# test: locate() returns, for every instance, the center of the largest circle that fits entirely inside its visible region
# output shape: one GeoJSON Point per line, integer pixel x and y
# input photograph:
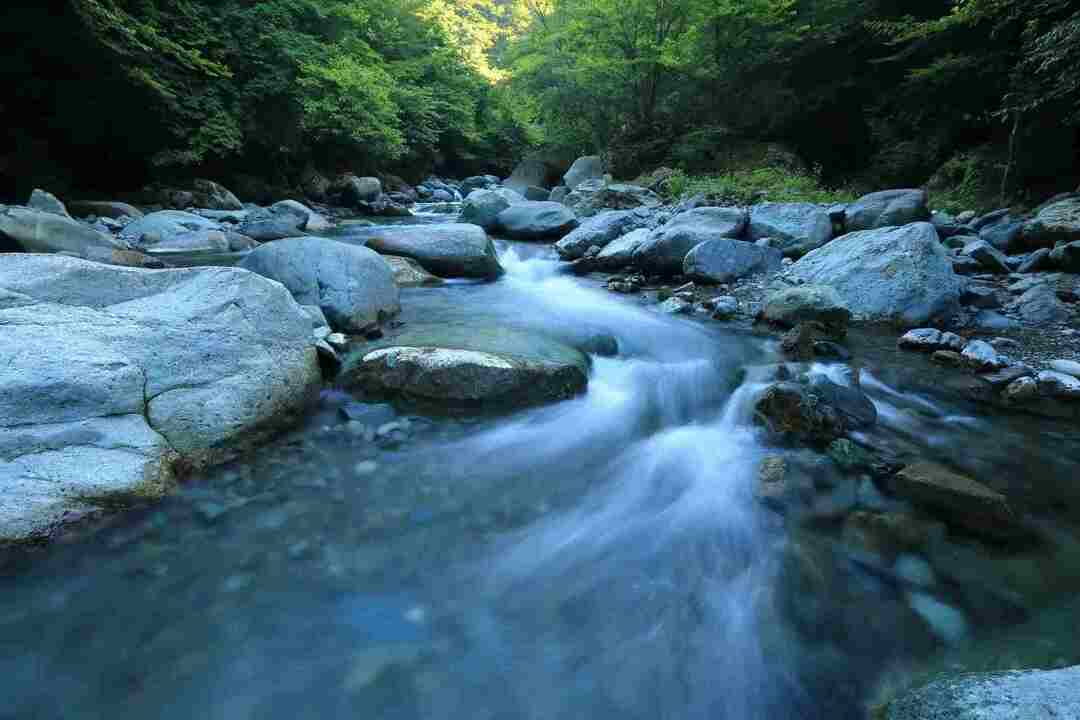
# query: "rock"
{"type": "Point", "coordinates": [966, 217]}
{"type": "Point", "coordinates": [213, 196]}
{"type": "Point", "coordinates": [1038, 305]}
{"type": "Point", "coordinates": [667, 247]}
{"type": "Point", "coordinates": [980, 296]}
{"type": "Point", "coordinates": [987, 256]}
{"type": "Point", "coordinates": [1057, 222]}
{"type": "Point", "coordinates": [1066, 257]}
{"type": "Point", "coordinates": [155, 367]}
{"type": "Point", "coordinates": [898, 274]}
{"type": "Point", "coordinates": [620, 252]}
{"type": "Point", "coordinates": [478, 182]}
{"type": "Point", "coordinates": [956, 498]}
{"type": "Point", "coordinates": [590, 167]}
{"type": "Point", "coordinates": [991, 218]}
{"type": "Point", "coordinates": [676, 306]}
{"type": "Point", "coordinates": [772, 485]}
{"type": "Point", "coordinates": [723, 307]}
{"type": "Point", "coordinates": [1012, 695]}
{"type": "Point", "coordinates": [47, 202]}
{"type": "Point", "coordinates": [1058, 385]}
{"type": "Point", "coordinates": [807, 303]}
{"type": "Point", "coordinates": [559, 194]}
{"type": "Point", "coordinates": [797, 228]}
{"type": "Point", "coordinates": [990, 321]}
{"type": "Point", "coordinates": [447, 250]}
{"type": "Point", "coordinates": [536, 221]}
{"type": "Point", "coordinates": [197, 247]}
{"type": "Point", "coordinates": [929, 339]}
{"type": "Point", "coordinates": [101, 208]}
{"type": "Point", "coordinates": [724, 260]}
{"type": "Point", "coordinates": [1020, 391]}
{"type": "Point", "coordinates": [530, 171]}
{"type": "Point", "coordinates": [595, 196]}
{"type": "Point", "coordinates": [537, 194]}
{"type": "Point", "coordinates": [964, 265]}
{"type": "Point", "coordinates": [788, 410]}
{"type": "Point", "coordinates": [949, 358]}
{"type": "Point", "coordinates": [482, 207]}
{"type": "Point", "coordinates": [599, 230]}
{"type": "Point", "coordinates": [1005, 237]}
{"type": "Point", "coordinates": [409, 273]}
{"type": "Point", "coordinates": [353, 285]}
{"type": "Point", "coordinates": [35, 231]}
{"type": "Point", "coordinates": [160, 228]}
{"type": "Point", "coordinates": [277, 227]}
{"type": "Point", "coordinates": [852, 403]}
{"type": "Point", "coordinates": [1068, 367]}
{"type": "Point", "coordinates": [886, 209]}
{"type": "Point", "coordinates": [475, 366]}
{"type": "Point", "coordinates": [358, 190]}
{"type": "Point", "coordinates": [311, 221]}
{"type": "Point", "coordinates": [983, 357]}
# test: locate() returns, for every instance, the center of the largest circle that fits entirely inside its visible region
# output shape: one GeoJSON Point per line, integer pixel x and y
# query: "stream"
{"type": "Point", "coordinates": [604, 557]}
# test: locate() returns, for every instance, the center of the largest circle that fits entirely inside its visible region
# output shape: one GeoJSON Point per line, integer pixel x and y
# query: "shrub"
{"type": "Point", "coordinates": [746, 187]}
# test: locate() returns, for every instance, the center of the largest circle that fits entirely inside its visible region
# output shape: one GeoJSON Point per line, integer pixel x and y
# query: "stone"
{"type": "Point", "coordinates": [590, 167]}
{"type": "Point", "coordinates": [982, 356]}
{"type": "Point", "coordinates": [724, 261]}
{"type": "Point", "coordinates": [559, 194]}
{"type": "Point", "coordinates": [311, 221]}
{"type": "Point", "coordinates": [795, 228]}
{"type": "Point", "coordinates": [1010, 695]}
{"type": "Point", "coordinates": [980, 296]}
{"type": "Point", "coordinates": [198, 247]}
{"type": "Point", "coordinates": [807, 303]}
{"type": "Point", "coordinates": [277, 227]}
{"type": "Point", "coordinates": [1058, 385]}
{"type": "Point", "coordinates": [1020, 391]}
{"type": "Point", "coordinates": [949, 358]}
{"type": "Point", "coordinates": [896, 274]}
{"type": "Point", "coordinates": [1054, 223]}
{"type": "Point", "coordinates": [35, 231]}
{"type": "Point", "coordinates": [966, 217]}
{"type": "Point", "coordinates": [534, 193]}
{"type": "Point", "coordinates": [991, 218]}
{"type": "Point", "coordinates": [530, 171]}
{"type": "Point", "coordinates": [409, 273]}
{"type": "Point", "coordinates": [352, 285]}
{"type": "Point", "coordinates": [1006, 237]}
{"type": "Point", "coordinates": [667, 247]}
{"type": "Point", "coordinates": [676, 306]}
{"type": "Point", "coordinates": [536, 221]}
{"type": "Point", "coordinates": [1039, 305]}
{"type": "Point", "coordinates": [922, 340]}
{"type": "Point", "coordinates": [599, 230]}
{"type": "Point", "coordinates": [358, 190]}
{"type": "Point", "coordinates": [448, 250]}
{"type": "Point", "coordinates": [1068, 367]}
{"type": "Point", "coordinates": [990, 321]}
{"type": "Point", "coordinates": [1006, 376]}
{"type": "Point", "coordinates": [160, 228]}
{"type": "Point", "coordinates": [594, 196]}
{"type": "Point", "coordinates": [957, 498]}
{"type": "Point", "coordinates": [478, 182]}
{"type": "Point", "coordinates": [1066, 257]}
{"type": "Point", "coordinates": [850, 402]}
{"type": "Point", "coordinates": [620, 252]}
{"type": "Point", "coordinates": [103, 208]}
{"type": "Point", "coordinates": [964, 265]}
{"type": "Point", "coordinates": [990, 258]}
{"type": "Point", "coordinates": [886, 209]}
{"type": "Point", "coordinates": [156, 367]}
{"type": "Point", "coordinates": [47, 202]}
{"type": "Point", "coordinates": [789, 410]}
{"type": "Point", "coordinates": [723, 307]}
{"type": "Point", "coordinates": [772, 484]}
{"type": "Point", "coordinates": [469, 365]}
{"type": "Point", "coordinates": [482, 207]}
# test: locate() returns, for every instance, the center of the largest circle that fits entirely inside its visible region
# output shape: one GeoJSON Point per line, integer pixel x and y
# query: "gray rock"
{"type": "Point", "coordinates": [530, 171]}
{"type": "Point", "coordinates": [478, 182]}
{"type": "Point", "coordinates": [991, 218]}
{"type": "Point", "coordinates": [41, 232]}
{"type": "Point", "coordinates": [536, 221]}
{"type": "Point", "coordinates": [620, 252]}
{"type": "Point", "coordinates": [789, 307]}
{"type": "Point", "coordinates": [982, 356]}
{"type": "Point", "coordinates": [676, 306]}
{"type": "Point", "coordinates": [886, 209]}
{"type": "Point", "coordinates": [104, 208]}
{"type": "Point", "coordinates": [590, 167]}
{"type": "Point", "coordinates": [966, 217]}
{"type": "Point", "coordinates": [852, 403]}
{"type": "Point", "coordinates": [989, 257]}
{"type": "Point", "coordinates": [1058, 385]}
{"type": "Point", "coordinates": [723, 307]}
{"type": "Point", "coordinates": [559, 194]}
{"type": "Point", "coordinates": [159, 228]}
{"type": "Point", "coordinates": [980, 296]}
{"type": "Point", "coordinates": [353, 285]}
{"type": "Point", "coordinates": [990, 321]}
{"type": "Point", "coordinates": [482, 207]}
{"type": "Point", "coordinates": [956, 498]}
{"type": "Point", "coordinates": [1057, 222]}
{"type": "Point", "coordinates": [469, 365]}
{"type": "Point", "coordinates": [929, 340]}
{"type": "Point", "coordinates": [668, 246]}
{"type": "Point", "coordinates": [1040, 304]}
{"type": "Point", "coordinates": [797, 228]}
{"type": "Point", "coordinates": [895, 274]}
{"type": "Point", "coordinates": [1014, 695]}
{"type": "Point", "coordinates": [358, 190]}
{"type": "Point", "coordinates": [789, 410]}
{"type": "Point", "coordinates": [311, 221]}
{"type": "Point", "coordinates": [1006, 236]}
{"type": "Point", "coordinates": [595, 196]}
{"type": "Point", "coordinates": [1068, 367]}
{"type": "Point", "coordinates": [278, 227]}
{"type": "Point", "coordinates": [1066, 257]}
{"type": "Point", "coordinates": [724, 260]}
{"type": "Point", "coordinates": [155, 367]}
{"type": "Point", "coordinates": [47, 202]}
{"type": "Point", "coordinates": [447, 250]}
{"type": "Point", "coordinates": [213, 196]}
{"type": "Point", "coordinates": [537, 194]}
{"type": "Point", "coordinates": [599, 230]}
{"type": "Point", "coordinates": [1021, 390]}
{"type": "Point", "coordinates": [409, 273]}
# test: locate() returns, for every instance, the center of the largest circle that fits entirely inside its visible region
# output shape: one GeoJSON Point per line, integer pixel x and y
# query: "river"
{"type": "Point", "coordinates": [604, 557]}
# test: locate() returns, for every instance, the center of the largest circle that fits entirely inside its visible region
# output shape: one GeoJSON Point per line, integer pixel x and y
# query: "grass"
{"type": "Point", "coordinates": [747, 187]}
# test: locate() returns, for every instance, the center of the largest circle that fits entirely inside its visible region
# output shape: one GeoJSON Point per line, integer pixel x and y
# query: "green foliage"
{"type": "Point", "coordinates": [745, 187]}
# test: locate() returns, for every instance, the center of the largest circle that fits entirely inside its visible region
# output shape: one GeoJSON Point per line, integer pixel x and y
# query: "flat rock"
{"type": "Point", "coordinates": [1013, 695]}
{"type": "Point", "coordinates": [448, 250]}
{"type": "Point", "coordinates": [1040, 304]}
{"type": "Point", "coordinates": [795, 228]}
{"type": "Point", "coordinates": [409, 273]}
{"type": "Point", "coordinates": [40, 232]}
{"type": "Point", "coordinates": [1057, 222]}
{"type": "Point", "coordinates": [536, 221]}
{"type": "Point", "coordinates": [789, 307]}
{"type": "Point", "coordinates": [724, 260]}
{"type": "Point", "coordinates": [888, 208]}
{"type": "Point", "coordinates": [599, 230]}
{"type": "Point", "coordinates": [956, 498]}
{"type": "Point", "coordinates": [482, 207]}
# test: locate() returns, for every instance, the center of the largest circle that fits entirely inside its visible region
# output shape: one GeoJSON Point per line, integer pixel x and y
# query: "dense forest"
{"type": "Point", "coordinates": [978, 98]}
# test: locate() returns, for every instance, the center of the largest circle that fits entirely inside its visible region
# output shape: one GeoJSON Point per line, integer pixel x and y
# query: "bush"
{"type": "Point", "coordinates": [746, 187]}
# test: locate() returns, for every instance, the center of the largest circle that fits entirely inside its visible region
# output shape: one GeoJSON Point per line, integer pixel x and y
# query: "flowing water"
{"type": "Point", "coordinates": [602, 557]}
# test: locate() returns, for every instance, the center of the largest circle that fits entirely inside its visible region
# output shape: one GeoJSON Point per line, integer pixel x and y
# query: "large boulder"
{"type": "Point", "coordinates": [1067, 257]}
{"type": "Point", "coordinates": [601, 229]}
{"type": "Point", "coordinates": [409, 273]}
{"type": "Point", "coordinates": [529, 172]}
{"type": "Point", "coordinates": [478, 182]}
{"type": "Point", "coordinates": [669, 245]}
{"type": "Point", "coordinates": [791, 411]}
{"type": "Point", "coordinates": [888, 208]}
{"type": "Point", "coordinates": [354, 191]}
{"type": "Point", "coordinates": [1057, 222]}
{"type": "Point", "coordinates": [310, 221]}
{"type": "Point", "coordinates": [353, 285]}
{"type": "Point", "coordinates": [447, 250]}
{"type": "Point", "coordinates": [794, 228]}
{"type": "Point", "coordinates": [47, 202]}
{"type": "Point", "coordinates": [620, 252]}
{"type": "Point", "coordinates": [1011, 695]}
{"type": "Point", "coordinates": [104, 208]}
{"type": "Point", "coordinates": [274, 227]}
{"type": "Point", "coordinates": [957, 498]}
{"type": "Point", "coordinates": [469, 365]}
{"type": "Point", "coordinates": [788, 307]}
{"type": "Point", "coordinates": [213, 196]}
{"type": "Point", "coordinates": [593, 196]}
{"type": "Point", "coordinates": [590, 167]}
{"type": "Point", "coordinates": [724, 260]}
{"type": "Point", "coordinates": [155, 367]}
{"type": "Point", "coordinates": [895, 274]}
{"type": "Point", "coordinates": [159, 228]}
{"type": "Point", "coordinates": [536, 221]}
{"type": "Point", "coordinates": [200, 247]}
{"type": "Point", "coordinates": [482, 207]}
{"type": "Point", "coordinates": [35, 231]}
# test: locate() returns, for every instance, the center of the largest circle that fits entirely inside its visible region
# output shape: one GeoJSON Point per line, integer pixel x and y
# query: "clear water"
{"type": "Point", "coordinates": [599, 558]}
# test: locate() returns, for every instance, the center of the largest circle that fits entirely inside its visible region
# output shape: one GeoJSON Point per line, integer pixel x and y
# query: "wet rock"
{"type": "Point", "coordinates": [1068, 367]}
{"type": "Point", "coordinates": [949, 358]}
{"type": "Point", "coordinates": [850, 457]}
{"type": "Point", "coordinates": [277, 227]}
{"type": "Point", "coordinates": [929, 339]}
{"type": "Point", "coordinates": [808, 303]}
{"type": "Point", "coordinates": [772, 485]}
{"type": "Point", "coordinates": [676, 306]}
{"type": "Point", "coordinates": [887, 209]}
{"type": "Point", "coordinates": [103, 208]}
{"type": "Point", "coordinates": [798, 343]}
{"type": "Point", "coordinates": [1027, 694]}
{"type": "Point", "coordinates": [980, 296]}
{"type": "Point", "coordinates": [723, 307]}
{"type": "Point", "coordinates": [1038, 260]}
{"type": "Point", "coordinates": [956, 498]}
{"type": "Point", "coordinates": [899, 275]}
{"type": "Point", "coordinates": [724, 261]}
{"type": "Point", "coordinates": [310, 221]}
{"type": "Point", "coordinates": [40, 232]}
{"type": "Point", "coordinates": [353, 285]}
{"type": "Point", "coordinates": [1006, 376]}
{"type": "Point", "coordinates": [600, 230]}
{"type": "Point", "coordinates": [1038, 305]}
{"type": "Point", "coordinates": [409, 273]}
{"type": "Point", "coordinates": [789, 410]}
{"type": "Point", "coordinates": [1021, 390]}
{"type": "Point", "coordinates": [590, 167]}
{"type": "Point", "coordinates": [1057, 222]}
{"type": "Point", "coordinates": [482, 207]}
{"type": "Point", "coordinates": [990, 258]}
{"type": "Point", "coordinates": [1066, 257]}
{"type": "Point", "coordinates": [981, 356]}
{"type": "Point", "coordinates": [1058, 385]}
{"type": "Point", "coordinates": [667, 247]}
{"type": "Point", "coordinates": [536, 221]}
{"type": "Point", "coordinates": [852, 403]}
{"type": "Point", "coordinates": [447, 250]}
